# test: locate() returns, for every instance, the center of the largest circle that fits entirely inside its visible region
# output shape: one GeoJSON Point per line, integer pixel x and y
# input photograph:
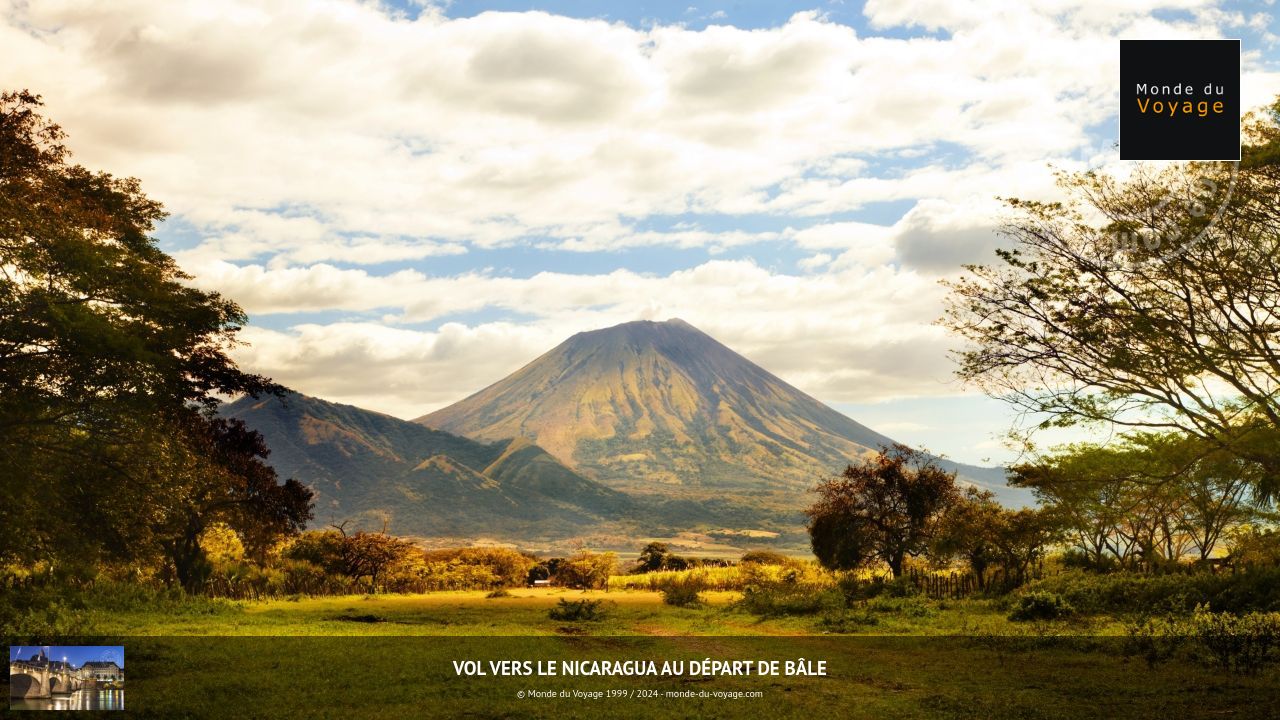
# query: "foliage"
{"type": "Point", "coordinates": [1256, 589]}
{"type": "Point", "coordinates": [1237, 643]}
{"type": "Point", "coordinates": [765, 557]}
{"type": "Point", "coordinates": [1039, 605]}
{"type": "Point", "coordinates": [1147, 302]}
{"type": "Point", "coordinates": [383, 562]}
{"type": "Point", "coordinates": [978, 530]}
{"type": "Point", "coordinates": [587, 570]}
{"type": "Point", "coordinates": [885, 510]}
{"type": "Point", "coordinates": [715, 578]}
{"type": "Point", "coordinates": [111, 366]}
{"type": "Point", "coordinates": [684, 591]}
{"type": "Point", "coordinates": [655, 556]}
{"type": "Point", "coordinates": [773, 590]}
{"type": "Point", "coordinates": [1255, 546]}
{"type": "Point", "coordinates": [578, 611]}
{"type": "Point", "coordinates": [221, 544]}
{"type": "Point", "coordinates": [1143, 501]}
{"type": "Point", "coordinates": [1155, 638]}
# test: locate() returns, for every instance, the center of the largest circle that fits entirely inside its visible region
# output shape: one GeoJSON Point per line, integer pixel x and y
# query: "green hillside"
{"type": "Point", "coordinates": [368, 467]}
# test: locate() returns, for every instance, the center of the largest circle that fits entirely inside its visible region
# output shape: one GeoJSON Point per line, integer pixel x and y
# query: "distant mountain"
{"type": "Point", "coordinates": [366, 467]}
{"type": "Point", "coordinates": [663, 409]}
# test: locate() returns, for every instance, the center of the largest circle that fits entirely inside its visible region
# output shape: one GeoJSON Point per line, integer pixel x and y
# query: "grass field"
{"type": "Point", "coordinates": [392, 656]}
{"type": "Point", "coordinates": [525, 612]}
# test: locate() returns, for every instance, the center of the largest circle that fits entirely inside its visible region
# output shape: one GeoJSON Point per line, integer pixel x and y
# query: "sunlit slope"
{"type": "Point", "coordinates": [661, 407]}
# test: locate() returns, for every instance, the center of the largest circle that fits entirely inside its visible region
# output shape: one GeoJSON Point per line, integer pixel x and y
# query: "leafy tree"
{"type": "Point", "coordinates": [883, 510]}
{"type": "Point", "coordinates": [1020, 539]}
{"type": "Point", "coordinates": [1161, 315]}
{"type": "Point", "coordinates": [111, 367]}
{"type": "Point", "coordinates": [653, 557]}
{"type": "Point", "coordinates": [968, 531]}
{"type": "Point", "coordinates": [1146, 499]}
{"type": "Point", "coordinates": [587, 570]}
{"type": "Point", "coordinates": [370, 554]}
{"type": "Point", "coordinates": [215, 474]}
{"type": "Point", "coordinates": [986, 535]}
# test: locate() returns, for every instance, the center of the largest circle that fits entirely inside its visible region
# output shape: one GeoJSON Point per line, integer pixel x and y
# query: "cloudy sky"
{"type": "Point", "coordinates": [413, 199]}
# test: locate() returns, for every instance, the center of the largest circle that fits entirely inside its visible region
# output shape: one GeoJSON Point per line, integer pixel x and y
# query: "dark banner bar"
{"type": "Point", "coordinates": [605, 677]}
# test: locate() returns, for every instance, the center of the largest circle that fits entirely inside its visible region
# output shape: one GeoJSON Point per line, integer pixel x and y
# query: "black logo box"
{"type": "Point", "coordinates": [1187, 68]}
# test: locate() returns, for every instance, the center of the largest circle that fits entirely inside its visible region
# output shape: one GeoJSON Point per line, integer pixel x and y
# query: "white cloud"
{"type": "Point", "coordinates": [301, 139]}
{"type": "Point", "coordinates": [501, 127]}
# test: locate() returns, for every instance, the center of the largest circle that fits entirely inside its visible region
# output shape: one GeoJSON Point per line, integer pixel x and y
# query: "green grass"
{"type": "Point", "coordinates": [391, 656]}
{"type": "Point", "coordinates": [630, 612]}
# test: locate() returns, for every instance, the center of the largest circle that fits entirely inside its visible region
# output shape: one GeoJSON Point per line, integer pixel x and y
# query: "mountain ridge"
{"type": "Point", "coordinates": [663, 408]}
{"type": "Point", "coordinates": [370, 467]}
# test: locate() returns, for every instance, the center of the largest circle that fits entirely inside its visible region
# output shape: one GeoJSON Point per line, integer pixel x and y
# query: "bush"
{"type": "Point", "coordinates": [844, 621]}
{"type": "Point", "coordinates": [1037, 605]}
{"type": "Point", "coordinates": [683, 591]}
{"type": "Point", "coordinates": [795, 600]}
{"type": "Point", "coordinates": [1238, 643]}
{"type": "Point", "coordinates": [899, 587]}
{"type": "Point", "coordinates": [1256, 589]}
{"type": "Point", "coordinates": [914, 606]}
{"type": "Point", "coordinates": [1251, 546]}
{"type": "Point", "coordinates": [587, 570]}
{"type": "Point", "coordinates": [1155, 639]}
{"type": "Point", "coordinates": [765, 557]}
{"type": "Point", "coordinates": [577, 611]}
{"type": "Point", "coordinates": [499, 593]}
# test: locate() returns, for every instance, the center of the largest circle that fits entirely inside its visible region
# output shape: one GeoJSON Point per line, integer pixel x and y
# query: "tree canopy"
{"type": "Point", "coordinates": [1151, 302]}
{"type": "Point", "coordinates": [111, 368]}
{"type": "Point", "coordinates": [883, 510]}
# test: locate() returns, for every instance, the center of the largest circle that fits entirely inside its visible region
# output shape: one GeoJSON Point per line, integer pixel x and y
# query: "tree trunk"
{"type": "Point", "coordinates": [895, 564]}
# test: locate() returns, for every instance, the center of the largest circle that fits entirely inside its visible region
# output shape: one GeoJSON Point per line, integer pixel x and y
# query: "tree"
{"type": "Point", "coordinates": [215, 474]}
{"type": "Point", "coordinates": [369, 554]}
{"type": "Point", "coordinates": [587, 570]}
{"type": "Point", "coordinates": [1020, 538]}
{"type": "Point", "coordinates": [653, 557]}
{"type": "Point", "coordinates": [968, 530]}
{"type": "Point", "coordinates": [111, 368]}
{"type": "Point", "coordinates": [1213, 488]}
{"type": "Point", "coordinates": [1161, 316]}
{"type": "Point", "coordinates": [1145, 499]}
{"type": "Point", "coordinates": [883, 510]}
{"type": "Point", "coordinates": [986, 535]}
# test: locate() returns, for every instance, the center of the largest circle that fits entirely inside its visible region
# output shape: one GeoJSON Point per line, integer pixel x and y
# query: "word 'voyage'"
{"type": "Point", "coordinates": [640, 668]}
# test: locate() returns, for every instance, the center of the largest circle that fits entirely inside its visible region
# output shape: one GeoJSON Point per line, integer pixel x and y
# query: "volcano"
{"type": "Point", "coordinates": [662, 408]}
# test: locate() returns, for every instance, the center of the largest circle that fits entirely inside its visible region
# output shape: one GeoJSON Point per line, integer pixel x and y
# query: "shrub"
{"type": "Point", "coordinates": [683, 591]}
{"type": "Point", "coordinates": [914, 606]}
{"type": "Point", "coordinates": [1251, 546]}
{"type": "Point", "coordinates": [765, 557]}
{"type": "Point", "coordinates": [499, 593]}
{"type": "Point", "coordinates": [1155, 639]}
{"type": "Point", "coordinates": [845, 621]}
{"type": "Point", "coordinates": [587, 570]}
{"type": "Point", "coordinates": [1038, 605]}
{"type": "Point", "coordinates": [1256, 589]}
{"type": "Point", "coordinates": [1238, 643]}
{"type": "Point", "coordinates": [577, 611]}
{"type": "Point", "coordinates": [899, 587]}
{"type": "Point", "coordinates": [795, 600]}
